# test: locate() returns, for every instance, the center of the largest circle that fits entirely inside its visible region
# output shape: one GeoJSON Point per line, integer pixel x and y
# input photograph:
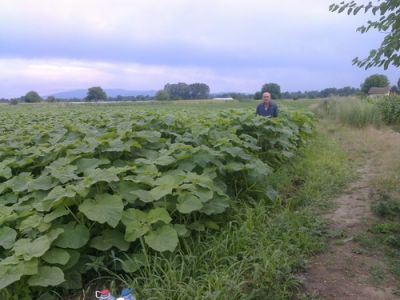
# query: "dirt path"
{"type": "Point", "coordinates": [345, 272]}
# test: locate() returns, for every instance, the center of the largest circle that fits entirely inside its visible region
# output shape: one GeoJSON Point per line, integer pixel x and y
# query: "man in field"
{"type": "Point", "coordinates": [267, 108]}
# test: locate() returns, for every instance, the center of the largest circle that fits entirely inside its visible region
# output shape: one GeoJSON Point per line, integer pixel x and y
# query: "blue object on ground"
{"type": "Point", "coordinates": [126, 294]}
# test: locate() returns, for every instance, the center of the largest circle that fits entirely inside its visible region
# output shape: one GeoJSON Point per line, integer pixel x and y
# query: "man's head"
{"type": "Point", "coordinates": [266, 97]}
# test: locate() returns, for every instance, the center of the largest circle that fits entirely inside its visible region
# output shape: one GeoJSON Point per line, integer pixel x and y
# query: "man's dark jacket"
{"type": "Point", "coordinates": [271, 111]}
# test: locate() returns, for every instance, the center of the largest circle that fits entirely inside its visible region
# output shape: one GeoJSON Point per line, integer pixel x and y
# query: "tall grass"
{"type": "Point", "coordinates": [356, 112]}
{"type": "Point", "coordinates": [390, 108]}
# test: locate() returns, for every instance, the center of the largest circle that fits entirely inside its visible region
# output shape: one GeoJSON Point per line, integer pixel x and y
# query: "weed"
{"type": "Point", "coordinates": [377, 275]}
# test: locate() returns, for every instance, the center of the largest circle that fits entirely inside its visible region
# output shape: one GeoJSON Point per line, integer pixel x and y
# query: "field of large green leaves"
{"type": "Point", "coordinates": [87, 188]}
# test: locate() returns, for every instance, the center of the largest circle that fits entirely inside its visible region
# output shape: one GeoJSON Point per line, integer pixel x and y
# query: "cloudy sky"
{"type": "Point", "coordinates": [232, 45]}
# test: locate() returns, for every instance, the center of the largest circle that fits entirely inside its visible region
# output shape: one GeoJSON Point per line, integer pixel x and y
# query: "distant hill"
{"type": "Point", "coordinates": [80, 94]}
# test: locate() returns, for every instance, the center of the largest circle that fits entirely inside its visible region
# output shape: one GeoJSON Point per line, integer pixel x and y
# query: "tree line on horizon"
{"type": "Point", "coordinates": [194, 91]}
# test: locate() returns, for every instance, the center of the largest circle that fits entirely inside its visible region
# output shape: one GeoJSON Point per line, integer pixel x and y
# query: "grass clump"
{"type": "Point", "coordinates": [356, 112]}
{"type": "Point", "coordinates": [386, 207]}
{"type": "Point", "coordinates": [361, 112]}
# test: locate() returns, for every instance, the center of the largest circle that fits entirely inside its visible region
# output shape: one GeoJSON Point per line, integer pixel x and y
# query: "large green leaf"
{"type": "Point", "coordinates": [47, 276]}
{"type": "Point", "coordinates": [217, 205]}
{"type": "Point", "coordinates": [74, 236]}
{"type": "Point", "coordinates": [163, 239]}
{"type": "Point", "coordinates": [116, 145]}
{"type": "Point", "coordinates": [30, 222]}
{"type": "Point", "coordinates": [5, 172]}
{"type": "Point", "coordinates": [81, 188]}
{"type": "Point", "coordinates": [87, 164]}
{"type": "Point", "coordinates": [125, 189]}
{"type": "Point", "coordinates": [74, 259]}
{"type": "Point", "coordinates": [202, 180]}
{"type": "Point", "coordinates": [150, 136]}
{"type": "Point", "coordinates": [6, 214]}
{"type": "Point", "coordinates": [136, 224]}
{"type": "Point", "coordinates": [101, 175]}
{"type": "Point", "coordinates": [9, 198]}
{"type": "Point", "coordinates": [7, 237]}
{"type": "Point", "coordinates": [158, 214]}
{"type": "Point", "coordinates": [65, 173]}
{"type": "Point", "coordinates": [164, 160]}
{"type": "Point", "coordinates": [21, 182]}
{"type": "Point", "coordinates": [109, 238]}
{"type": "Point", "coordinates": [28, 249]}
{"type": "Point", "coordinates": [56, 256]}
{"type": "Point", "coordinates": [104, 208]}
{"type": "Point", "coordinates": [59, 212]}
{"type": "Point", "coordinates": [204, 194]}
{"type": "Point", "coordinates": [59, 193]}
{"type": "Point", "coordinates": [142, 195]}
{"type": "Point", "coordinates": [10, 273]}
{"type": "Point", "coordinates": [55, 198]}
{"type": "Point", "coordinates": [173, 179]}
{"type": "Point", "coordinates": [188, 203]}
{"type": "Point", "coordinates": [161, 191]}
{"type": "Point", "coordinates": [43, 182]}
{"type": "Point", "coordinates": [181, 230]}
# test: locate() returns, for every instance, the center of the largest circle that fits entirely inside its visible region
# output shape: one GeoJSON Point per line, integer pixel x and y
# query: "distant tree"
{"type": "Point", "coordinates": [395, 89]}
{"type": "Point", "coordinates": [376, 80]}
{"type": "Point", "coordinates": [14, 101]}
{"type": "Point", "coordinates": [199, 91]}
{"type": "Point", "coordinates": [32, 97]}
{"type": "Point", "coordinates": [388, 23]}
{"type": "Point", "coordinates": [181, 90]}
{"type": "Point", "coordinates": [328, 92]}
{"type": "Point", "coordinates": [96, 93]}
{"type": "Point", "coordinates": [162, 95]}
{"type": "Point", "coordinates": [257, 96]}
{"type": "Point", "coordinates": [51, 99]}
{"type": "Point", "coordinates": [177, 91]}
{"type": "Point", "coordinates": [273, 88]}
{"type": "Point", "coordinates": [398, 83]}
